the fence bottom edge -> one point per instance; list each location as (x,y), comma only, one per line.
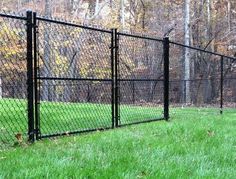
(142,122)
(97,129)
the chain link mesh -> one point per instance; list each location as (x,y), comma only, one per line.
(229,84)
(75,77)
(195,84)
(13,76)
(141,79)
(75,73)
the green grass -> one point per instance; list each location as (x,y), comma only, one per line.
(196,144)
(59,117)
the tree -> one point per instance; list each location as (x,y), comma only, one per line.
(186,51)
(212,27)
(122,14)
(47,91)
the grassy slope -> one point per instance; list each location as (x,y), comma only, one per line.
(194,146)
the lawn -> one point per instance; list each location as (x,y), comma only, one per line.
(193,144)
(61,117)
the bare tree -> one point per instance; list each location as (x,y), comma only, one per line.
(47,67)
(186,51)
(122,14)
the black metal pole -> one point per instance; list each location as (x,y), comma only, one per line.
(88,92)
(35,75)
(116,79)
(112,77)
(166,77)
(36,102)
(133,92)
(221,83)
(30,85)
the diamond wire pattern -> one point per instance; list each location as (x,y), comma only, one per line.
(204,82)
(13,89)
(75,89)
(75,53)
(141,75)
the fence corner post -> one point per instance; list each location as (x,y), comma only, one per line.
(166,48)
(30,87)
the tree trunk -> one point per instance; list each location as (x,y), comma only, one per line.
(97,7)
(229,15)
(186,51)
(122,14)
(209,88)
(47,68)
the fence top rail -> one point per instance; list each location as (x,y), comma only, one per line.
(72,24)
(13,16)
(140,36)
(202,50)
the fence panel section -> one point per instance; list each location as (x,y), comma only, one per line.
(74,78)
(229,85)
(85,79)
(195,81)
(13,78)
(141,79)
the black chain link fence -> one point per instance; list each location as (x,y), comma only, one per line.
(74,78)
(229,84)
(200,81)
(13,88)
(87,79)
(141,78)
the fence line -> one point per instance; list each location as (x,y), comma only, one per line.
(92,79)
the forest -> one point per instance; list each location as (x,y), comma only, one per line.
(69,52)
(211,23)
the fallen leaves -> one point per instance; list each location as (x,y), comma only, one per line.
(19,137)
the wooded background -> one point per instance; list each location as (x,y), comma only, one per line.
(211,22)
(207,24)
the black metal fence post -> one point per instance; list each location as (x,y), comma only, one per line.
(30,85)
(116,61)
(133,92)
(112,77)
(221,83)
(36,68)
(166,47)
(88,92)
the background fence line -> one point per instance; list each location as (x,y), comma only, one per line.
(59,78)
